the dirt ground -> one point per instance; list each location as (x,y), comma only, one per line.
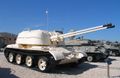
(84,70)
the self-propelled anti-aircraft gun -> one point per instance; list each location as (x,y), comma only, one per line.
(41,48)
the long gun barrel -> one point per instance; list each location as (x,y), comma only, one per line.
(83,31)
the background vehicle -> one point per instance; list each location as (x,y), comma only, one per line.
(112,48)
(94,52)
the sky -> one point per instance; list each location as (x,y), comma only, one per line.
(18,15)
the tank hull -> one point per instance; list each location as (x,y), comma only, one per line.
(54,58)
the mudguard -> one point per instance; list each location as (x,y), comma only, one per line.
(61,53)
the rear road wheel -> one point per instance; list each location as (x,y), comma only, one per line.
(11,57)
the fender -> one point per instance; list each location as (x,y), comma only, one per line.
(59,53)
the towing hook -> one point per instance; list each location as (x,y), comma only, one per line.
(109,25)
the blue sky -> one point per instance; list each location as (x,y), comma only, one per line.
(17,15)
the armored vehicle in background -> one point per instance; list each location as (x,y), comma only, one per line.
(42,49)
(113,48)
(94,51)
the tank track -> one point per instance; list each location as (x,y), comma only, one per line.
(35,56)
(95,57)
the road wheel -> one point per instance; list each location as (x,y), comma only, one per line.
(18,59)
(90,58)
(29,61)
(11,57)
(43,64)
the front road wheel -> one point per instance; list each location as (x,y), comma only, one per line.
(45,64)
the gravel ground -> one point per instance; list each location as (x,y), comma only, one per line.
(84,70)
